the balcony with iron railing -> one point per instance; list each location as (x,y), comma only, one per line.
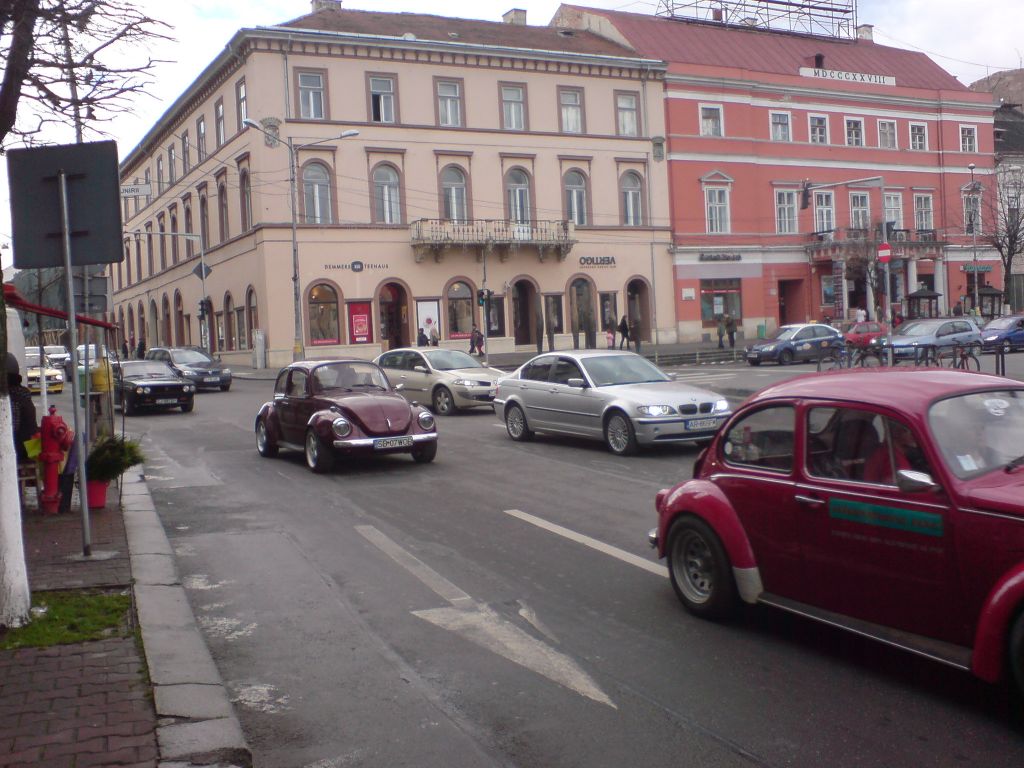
(436,236)
(907,243)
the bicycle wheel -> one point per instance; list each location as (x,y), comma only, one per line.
(869,359)
(946,358)
(970,362)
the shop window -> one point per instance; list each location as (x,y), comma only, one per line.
(323,315)
(460,311)
(719,297)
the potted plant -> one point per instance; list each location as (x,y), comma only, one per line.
(109,458)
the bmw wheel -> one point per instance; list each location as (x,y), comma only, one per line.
(700,570)
(319,455)
(619,435)
(266,447)
(443,402)
(129,406)
(515,424)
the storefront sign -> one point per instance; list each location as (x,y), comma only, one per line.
(975,267)
(360,329)
(356,266)
(597,261)
(720,257)
(847,77)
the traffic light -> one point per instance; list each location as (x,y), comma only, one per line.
(481,296)
(202,308)
(805,195)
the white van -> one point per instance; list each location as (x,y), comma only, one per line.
(16,338)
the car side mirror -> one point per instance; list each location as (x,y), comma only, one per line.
(577,383)
(910,481)
(399,387)
(420,369)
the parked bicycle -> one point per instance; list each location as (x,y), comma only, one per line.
(878,354)
(961,356)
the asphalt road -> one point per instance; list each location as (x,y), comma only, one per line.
(500,607)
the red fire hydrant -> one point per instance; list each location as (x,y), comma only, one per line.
(56,440)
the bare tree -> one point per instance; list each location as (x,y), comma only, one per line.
(1006,220)
(69,62)
(861,257)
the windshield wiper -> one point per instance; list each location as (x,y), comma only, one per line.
(1018,462)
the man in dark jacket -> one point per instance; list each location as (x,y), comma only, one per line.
(23,410)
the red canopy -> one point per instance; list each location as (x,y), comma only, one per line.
(16,300)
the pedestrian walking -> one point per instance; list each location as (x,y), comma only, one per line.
(623,332)
(125,352)
(730,329)
(721,331)
(634,333)
(23,410)
(434,338)
(421,339)
(609,337)
(479,340)
(860,315)
(472,340)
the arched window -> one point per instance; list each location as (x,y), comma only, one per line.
(387,208)
(316,194)
(204,222)
(140,332)
(323,315)
(174,238)
(631,187)
(129,330)
(576,198)
(245,199)
(252,318)
(179,321)
(164,330)
(229,322)
(188,228)
(453,194)
(222,211)
(517,196)
(460,310)
(161,227)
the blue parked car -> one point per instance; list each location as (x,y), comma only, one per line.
(935,332)
(803,341)
(1005,333)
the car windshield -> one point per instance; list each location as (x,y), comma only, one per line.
(1001,323)
(92,351)
(32,360)
(916,328)
(190,357)
(609,370)
(145,369)
(783,333)
(979,432)
(55,350)
(451,360)
(347,376)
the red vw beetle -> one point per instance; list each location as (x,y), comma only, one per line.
(887,502)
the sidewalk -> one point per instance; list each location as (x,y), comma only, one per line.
(115,702)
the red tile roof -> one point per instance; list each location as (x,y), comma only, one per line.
(694,42)
(454,30)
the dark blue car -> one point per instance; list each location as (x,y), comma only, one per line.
(1005,333)
(805,341)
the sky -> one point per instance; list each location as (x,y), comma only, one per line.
(969,39)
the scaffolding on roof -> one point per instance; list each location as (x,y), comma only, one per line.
(830,18)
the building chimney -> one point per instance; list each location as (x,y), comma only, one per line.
(326,5)
(866,32)
(516,16)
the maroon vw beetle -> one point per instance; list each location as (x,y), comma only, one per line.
(327,408)
(896,512)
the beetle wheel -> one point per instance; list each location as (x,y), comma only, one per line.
(1017,652)
(264,445)
(424,453)
(319,455)
(515,424)
(700,570)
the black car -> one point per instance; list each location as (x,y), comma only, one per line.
(142,384)
(195,364)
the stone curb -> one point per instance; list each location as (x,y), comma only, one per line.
(196,723)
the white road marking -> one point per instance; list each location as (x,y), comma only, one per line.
(587,541)
(483,626)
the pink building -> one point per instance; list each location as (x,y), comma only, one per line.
(893,147)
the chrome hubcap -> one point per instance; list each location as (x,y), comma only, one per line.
(618,434)
(693,565)
(311,449)
(442,401)
(261,437)
(515,422)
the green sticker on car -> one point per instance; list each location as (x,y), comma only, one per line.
(913,521)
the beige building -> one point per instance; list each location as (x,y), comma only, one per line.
(523,160)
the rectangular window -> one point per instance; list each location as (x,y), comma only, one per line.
(218,122)
(449,103)
(860,210)
(627,120)
(919,136)
(382,100)
(711,122)
(824,212)
(311,96)
(968,138)
(972,214)
(717,200)
(186,153)
(160,175)
(894,209)
(172,174)
(923,217)
(720,297)
(201,138)
(785,212)
(148,180)
(570,101)
(854,132)
(513,107)
(780,127)
(887,134)
(818,129)
(242,109)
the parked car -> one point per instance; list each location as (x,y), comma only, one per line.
(863,333)
(792,343)
(195,364)
(341,408)
(1003,333)
(148,384)
(888,502)
(448,379)
(54,377)
(58,355)
(615,396)
(934,332)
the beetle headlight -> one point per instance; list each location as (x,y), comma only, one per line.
(342,427)
(656,410)
(426,420)
(721,405)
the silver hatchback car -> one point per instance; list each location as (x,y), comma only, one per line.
(619,397)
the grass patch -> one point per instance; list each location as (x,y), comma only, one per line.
(76,616)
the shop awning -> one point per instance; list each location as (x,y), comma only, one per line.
(17,301)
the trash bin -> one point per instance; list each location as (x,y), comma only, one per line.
(761,330)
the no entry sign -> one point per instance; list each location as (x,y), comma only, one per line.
(884,253)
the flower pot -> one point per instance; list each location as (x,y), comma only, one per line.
(96,493)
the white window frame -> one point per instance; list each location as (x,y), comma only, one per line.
(824,208)
(317,207)
(786,216)
(918,210)
(810,130)
(966,195)
(846,130)
(895,134)
(717,220)
(449,107)
(509,114)
(575,199)
(172,158)
(571,116)
(312,99)
(632,200)
(721,120)
(887,197)
(860,215)
(910,134)
(624,114)
(386,99)
(973,132)
(387,195)
(771,125)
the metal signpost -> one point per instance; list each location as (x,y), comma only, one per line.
(884,256)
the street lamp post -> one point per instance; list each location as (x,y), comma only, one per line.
(975,215)
(298,349)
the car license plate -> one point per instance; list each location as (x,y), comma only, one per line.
(211,378)
(167,401)
(392,442)
(701,424)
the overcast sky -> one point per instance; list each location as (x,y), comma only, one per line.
(968,39)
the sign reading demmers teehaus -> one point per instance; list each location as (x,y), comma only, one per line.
(847,77)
